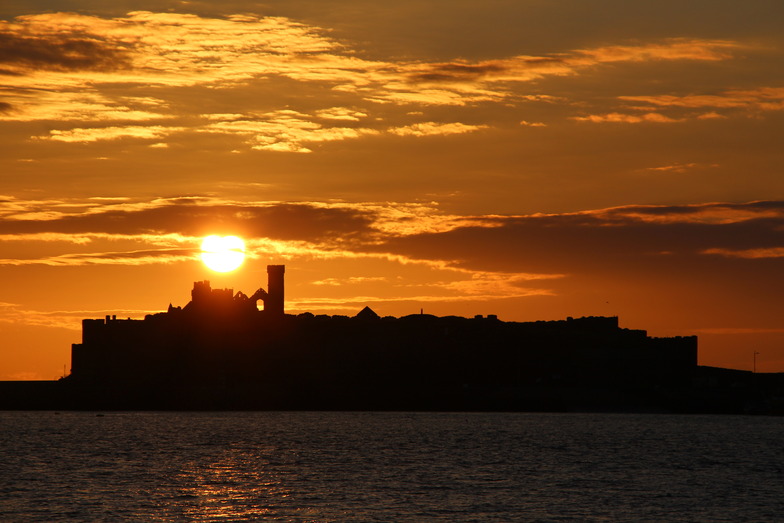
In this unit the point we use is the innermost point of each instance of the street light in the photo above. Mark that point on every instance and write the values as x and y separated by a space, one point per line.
755 362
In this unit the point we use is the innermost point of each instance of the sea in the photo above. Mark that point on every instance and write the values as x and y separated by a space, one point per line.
389 466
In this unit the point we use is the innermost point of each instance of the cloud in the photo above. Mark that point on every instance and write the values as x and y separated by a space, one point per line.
110 133
31 105
145 257
670 49
680 168
20 54
292 131
286 130
191 216
625 118
746 102
525 68
341 113
433 129
751 254
604 241
763 99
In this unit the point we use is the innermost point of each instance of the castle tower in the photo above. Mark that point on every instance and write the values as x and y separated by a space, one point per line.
275 300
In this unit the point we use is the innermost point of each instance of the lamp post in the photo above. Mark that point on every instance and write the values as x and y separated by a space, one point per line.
754 371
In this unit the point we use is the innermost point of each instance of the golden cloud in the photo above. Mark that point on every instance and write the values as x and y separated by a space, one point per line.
527 68
110 133
625 118
764 98
680 168
86 105
434 129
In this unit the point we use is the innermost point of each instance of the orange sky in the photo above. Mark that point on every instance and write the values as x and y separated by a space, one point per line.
529 159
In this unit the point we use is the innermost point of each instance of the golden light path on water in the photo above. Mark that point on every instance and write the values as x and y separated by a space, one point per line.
222 253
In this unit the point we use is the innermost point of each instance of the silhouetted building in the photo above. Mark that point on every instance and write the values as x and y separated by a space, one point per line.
221 351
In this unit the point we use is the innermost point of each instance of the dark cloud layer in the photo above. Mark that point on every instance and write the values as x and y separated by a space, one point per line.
280 222
621 240
60 53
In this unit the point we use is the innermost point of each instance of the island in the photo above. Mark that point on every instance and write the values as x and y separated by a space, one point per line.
221 352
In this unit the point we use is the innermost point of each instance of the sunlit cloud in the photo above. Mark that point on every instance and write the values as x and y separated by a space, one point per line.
433 129
672 49
128 258
527 68
339 282
341 113
110 133
708 213
761 99
625 118
31 105
501 284
750 254
679 168
286 130
79 239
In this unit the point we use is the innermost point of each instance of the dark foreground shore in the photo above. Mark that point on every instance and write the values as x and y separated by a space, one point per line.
710 390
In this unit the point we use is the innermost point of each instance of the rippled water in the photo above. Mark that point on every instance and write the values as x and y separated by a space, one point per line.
389 467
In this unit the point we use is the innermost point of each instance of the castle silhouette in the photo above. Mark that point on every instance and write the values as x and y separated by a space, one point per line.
220 351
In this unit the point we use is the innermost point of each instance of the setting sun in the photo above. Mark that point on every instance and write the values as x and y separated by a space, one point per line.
222 253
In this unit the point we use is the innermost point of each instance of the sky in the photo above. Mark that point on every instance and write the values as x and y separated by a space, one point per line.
533 159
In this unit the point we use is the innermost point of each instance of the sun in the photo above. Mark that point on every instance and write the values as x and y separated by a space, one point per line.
222 253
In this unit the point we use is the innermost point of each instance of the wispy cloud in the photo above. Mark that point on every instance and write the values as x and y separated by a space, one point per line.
625 118
286 131
95 134
751 254
679 108
130 258
435 129
526 68
61 319
760 99
679 168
